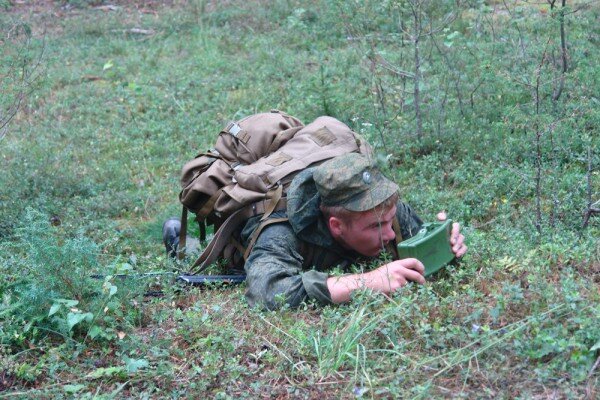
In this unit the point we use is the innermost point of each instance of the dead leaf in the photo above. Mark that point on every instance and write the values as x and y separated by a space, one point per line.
90 78
148 11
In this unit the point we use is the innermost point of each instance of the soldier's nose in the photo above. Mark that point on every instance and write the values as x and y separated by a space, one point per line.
387 234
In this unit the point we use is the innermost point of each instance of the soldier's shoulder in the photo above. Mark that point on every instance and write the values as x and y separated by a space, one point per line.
277 237
278 229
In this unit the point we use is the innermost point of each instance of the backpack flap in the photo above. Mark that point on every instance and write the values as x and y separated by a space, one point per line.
197 166
235 197
253 137
321 140
206 184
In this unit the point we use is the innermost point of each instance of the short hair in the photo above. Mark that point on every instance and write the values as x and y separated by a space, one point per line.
350 216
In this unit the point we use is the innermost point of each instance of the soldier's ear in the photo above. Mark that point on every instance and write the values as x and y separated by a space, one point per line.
336 226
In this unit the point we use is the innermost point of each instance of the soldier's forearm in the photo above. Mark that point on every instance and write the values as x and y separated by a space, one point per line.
341 287
385 279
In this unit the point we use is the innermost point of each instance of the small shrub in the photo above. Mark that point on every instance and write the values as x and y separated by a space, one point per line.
49 287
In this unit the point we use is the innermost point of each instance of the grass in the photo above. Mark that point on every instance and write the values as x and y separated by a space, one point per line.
98 146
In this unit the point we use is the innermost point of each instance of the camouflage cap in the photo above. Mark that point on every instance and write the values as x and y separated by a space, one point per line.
353 182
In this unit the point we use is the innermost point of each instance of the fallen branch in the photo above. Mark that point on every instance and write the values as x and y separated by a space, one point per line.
91 78
592 210
142 31
108 7
594 367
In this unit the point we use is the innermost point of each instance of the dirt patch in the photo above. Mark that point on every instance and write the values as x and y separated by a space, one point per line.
7 381
64 8
45 16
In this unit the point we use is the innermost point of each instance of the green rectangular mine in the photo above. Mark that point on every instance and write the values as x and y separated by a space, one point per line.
431 246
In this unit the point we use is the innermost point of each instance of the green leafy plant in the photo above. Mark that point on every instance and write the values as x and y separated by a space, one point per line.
52 290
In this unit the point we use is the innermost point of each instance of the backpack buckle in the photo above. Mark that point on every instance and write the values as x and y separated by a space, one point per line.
233 129
235 166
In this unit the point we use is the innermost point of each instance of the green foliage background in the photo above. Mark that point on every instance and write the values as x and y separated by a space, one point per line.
128 94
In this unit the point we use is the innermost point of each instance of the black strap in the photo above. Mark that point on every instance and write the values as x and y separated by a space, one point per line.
182 234
202 227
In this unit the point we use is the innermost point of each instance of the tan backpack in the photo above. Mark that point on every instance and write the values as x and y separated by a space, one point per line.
247 174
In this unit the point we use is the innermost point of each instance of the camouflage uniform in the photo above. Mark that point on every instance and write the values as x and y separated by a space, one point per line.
289 262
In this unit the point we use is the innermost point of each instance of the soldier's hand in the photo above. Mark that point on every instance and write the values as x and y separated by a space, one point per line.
457 239
394 275
385 279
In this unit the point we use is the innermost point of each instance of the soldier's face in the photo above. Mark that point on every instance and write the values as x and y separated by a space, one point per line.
369 232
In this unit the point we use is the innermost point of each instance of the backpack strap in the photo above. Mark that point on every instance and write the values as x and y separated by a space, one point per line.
220 240
242 136
237 132
223 235
258 230
273 196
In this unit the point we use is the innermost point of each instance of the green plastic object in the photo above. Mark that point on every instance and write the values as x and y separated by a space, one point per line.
431 246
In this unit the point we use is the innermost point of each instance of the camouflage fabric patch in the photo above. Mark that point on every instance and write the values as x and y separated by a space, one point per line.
323 136
277 158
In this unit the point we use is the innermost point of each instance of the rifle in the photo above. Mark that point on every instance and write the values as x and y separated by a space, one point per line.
193 280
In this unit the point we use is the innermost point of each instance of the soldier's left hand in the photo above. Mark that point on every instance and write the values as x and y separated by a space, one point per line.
457 239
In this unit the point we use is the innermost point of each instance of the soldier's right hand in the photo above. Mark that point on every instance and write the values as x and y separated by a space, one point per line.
385 279
394 275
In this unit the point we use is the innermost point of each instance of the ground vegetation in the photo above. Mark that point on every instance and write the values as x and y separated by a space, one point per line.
488 110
